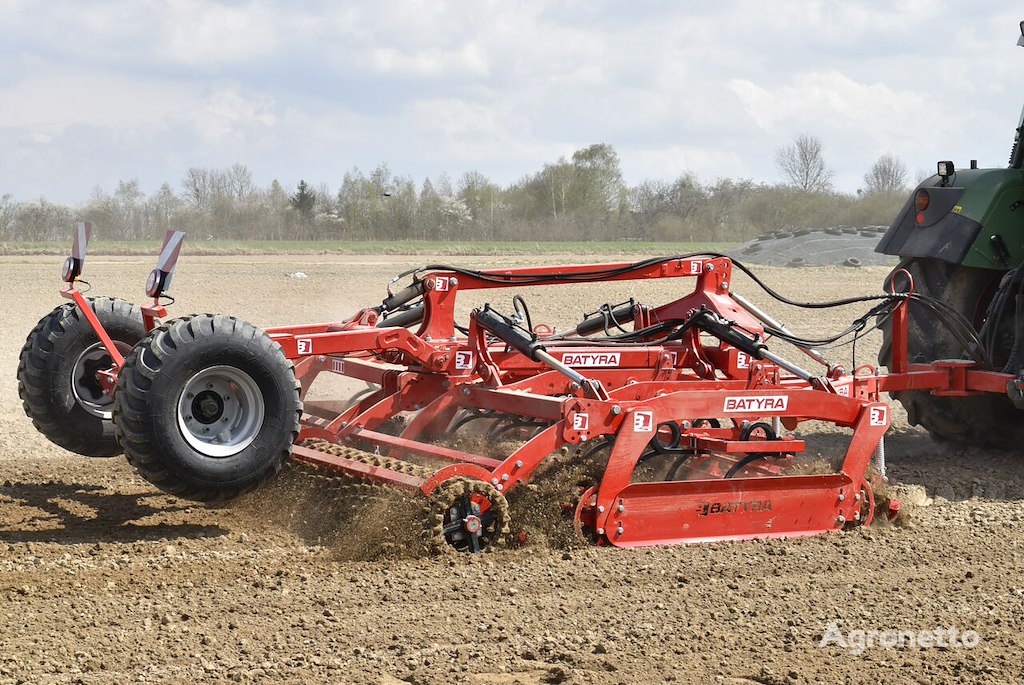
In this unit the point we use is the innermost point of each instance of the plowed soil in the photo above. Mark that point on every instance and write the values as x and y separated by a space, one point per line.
103 579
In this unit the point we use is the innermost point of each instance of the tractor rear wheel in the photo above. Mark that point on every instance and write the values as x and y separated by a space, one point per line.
207 407
57 374
987 420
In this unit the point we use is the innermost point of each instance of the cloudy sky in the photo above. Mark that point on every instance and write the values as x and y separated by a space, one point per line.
93 92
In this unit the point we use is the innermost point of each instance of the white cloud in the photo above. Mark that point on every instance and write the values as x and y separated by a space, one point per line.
127 88
205 34
467 60
672 161
831 99
54 99
228 114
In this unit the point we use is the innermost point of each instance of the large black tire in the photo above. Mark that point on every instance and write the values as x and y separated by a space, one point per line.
207 407
987 420
57 380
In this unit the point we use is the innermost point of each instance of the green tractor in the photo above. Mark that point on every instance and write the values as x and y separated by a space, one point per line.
960 237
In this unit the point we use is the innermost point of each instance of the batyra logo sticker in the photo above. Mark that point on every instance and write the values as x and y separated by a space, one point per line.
879 416
591 358
305 345
756 404
581 422
441 283
643 422
463 359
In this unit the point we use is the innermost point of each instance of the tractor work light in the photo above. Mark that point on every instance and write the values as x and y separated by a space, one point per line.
946 169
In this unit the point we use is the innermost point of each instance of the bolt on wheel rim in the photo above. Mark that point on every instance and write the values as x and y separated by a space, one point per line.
220 411
86 384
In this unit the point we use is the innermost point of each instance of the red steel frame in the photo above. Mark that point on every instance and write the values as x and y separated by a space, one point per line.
649 385
435 372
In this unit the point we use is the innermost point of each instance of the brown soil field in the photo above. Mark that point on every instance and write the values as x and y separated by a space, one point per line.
103 579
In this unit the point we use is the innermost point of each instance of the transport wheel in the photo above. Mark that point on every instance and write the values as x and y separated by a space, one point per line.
469 515
57 374
207 407
986 420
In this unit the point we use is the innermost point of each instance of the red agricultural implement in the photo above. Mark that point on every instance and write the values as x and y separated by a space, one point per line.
688 418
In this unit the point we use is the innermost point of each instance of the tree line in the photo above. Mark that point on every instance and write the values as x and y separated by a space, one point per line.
579 198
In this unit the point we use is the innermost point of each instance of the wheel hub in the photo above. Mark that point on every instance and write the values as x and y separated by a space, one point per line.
472 515
220 411
207 407
472 524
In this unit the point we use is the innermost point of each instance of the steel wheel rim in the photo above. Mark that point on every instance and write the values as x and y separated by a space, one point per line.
220 411
86 387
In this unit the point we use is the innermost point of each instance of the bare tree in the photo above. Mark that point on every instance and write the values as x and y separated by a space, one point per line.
887 175
803 164
196 187
8 216
239 182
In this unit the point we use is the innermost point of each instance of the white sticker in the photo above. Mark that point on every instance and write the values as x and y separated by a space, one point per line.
695 267
756 404
441 283
643 422
581 422
463 359
305 345
742 360
591 358
879 416
338 366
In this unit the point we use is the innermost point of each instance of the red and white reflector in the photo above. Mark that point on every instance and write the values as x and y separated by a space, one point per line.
160 278
79 245
169 252
83 232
